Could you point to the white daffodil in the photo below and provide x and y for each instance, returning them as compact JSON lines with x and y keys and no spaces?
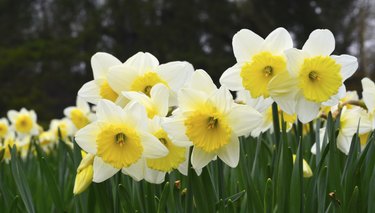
{"x":80,"y":114}
{"x":351,"y":120}
{"x":65,"y":126}
{"x":263,"y":106}
{"x":314,"y":77}
{"x":368,"y":95}
{"x":154,"y":170}
{"x":258,"y":61}
{"x":9,"y":141}
{"x":24,"y":121}
{"x":156,"y":103}
{"x":209,"y":119}
{"x":46,"y":140}
{"x":4,"y":127}
{"x":142,"y":71}
{"x":260,"y":104}
{"x":119,"y":138}
{"x":99,"y":88}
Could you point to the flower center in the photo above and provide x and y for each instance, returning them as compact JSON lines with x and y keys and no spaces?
{"x":119,"y":145}
{"x":172,"y":160}
{"x":24,"y":124}
{"x":208,"y":128}
{"x":144,"y":83}
{"x":319,"y":78}
{"x":3,"y":130}
{"x":257,"y":73}
{"x":78,"y":118}
{"x":107,"y":92}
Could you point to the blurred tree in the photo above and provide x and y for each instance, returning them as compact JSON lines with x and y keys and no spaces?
{"x":45,"y":46}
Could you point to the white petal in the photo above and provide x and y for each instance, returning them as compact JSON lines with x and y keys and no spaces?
{"x":231,"y":78}
{"x":183,"y":167}
{"x":295,"y":60}
{"x":243,"y":119}
{"x":245,"y":44}
{"x":159,"y":97}
{"x":154,"y":176}
{"x":176,"y":129}
{"x":152,"y":147}
{"x":82,"y":105}
{"x":90,"y":92}
{"x":334,"y":100}
{"x":222,"y":99}
{"x":102,"y":170}
{"x":175,"y":73}
{"x":230,"y":154}
{"x":134,"y":114}
{"x":320,"y":42}
{"x":190,"y":99}
{"x":12,"y":115}
{"x":86,"y":137}
{"x":200,"y":158}
{"x":143,"y":62}
{"x":278,"y":41}
{"x":368,"y":94}
{"x":100,"y":62}
{"x":283,"y":89}
{"x":136,"y":170}
{"x":121,"y":77}
{"x":349,"y":65}
{"x":201,"y":81}
{"x":343,"y":143}
{"x":307,"y":110}
{"x":107,"y":111}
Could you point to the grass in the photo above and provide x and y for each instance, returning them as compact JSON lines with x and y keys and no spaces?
{"x":266,"y":180}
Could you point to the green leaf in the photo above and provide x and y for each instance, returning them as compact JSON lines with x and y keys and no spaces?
{"x":125,"y":199}
{"x":21,"y":182}
{"x":53,"y":187}
{"x":163,"y":198}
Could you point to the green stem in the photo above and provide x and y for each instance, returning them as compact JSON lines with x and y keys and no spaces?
{"x":189,"y":195}
{"x":220,"y":168}
{"x":276,"y":122}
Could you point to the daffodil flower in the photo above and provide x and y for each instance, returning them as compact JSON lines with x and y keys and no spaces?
{"x":4,"y":127}
{"x":314,"y":77}
{"x":80,"y":114}
{"x":65,"y":126}
{"x":156,"y":103}
{"x":154,"y":170}
{"x":24,"y":121}
{"x":99,"y":88}
{"x":368,"y":95}
{"x":142,"y":71}
{"x":258,"y":61}
{"x":84,"y":175}
{"x":351,"y":120}
{"x":306,"y":170}
{"x":209,"y":120}
{"x":119,"y":138}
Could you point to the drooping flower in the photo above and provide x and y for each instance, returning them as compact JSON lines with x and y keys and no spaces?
{"x":85,"y":173}
{"x":208,"y":119}
{"x":258,"y":61}
{"x":24,"y":121}
{"x":99,"y":88}
{"x":142,"y":71}
{"x":118,"y":138}
{"x":314,"y":77}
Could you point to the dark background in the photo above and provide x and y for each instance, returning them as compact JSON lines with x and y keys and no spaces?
{"x":46,"y":45}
